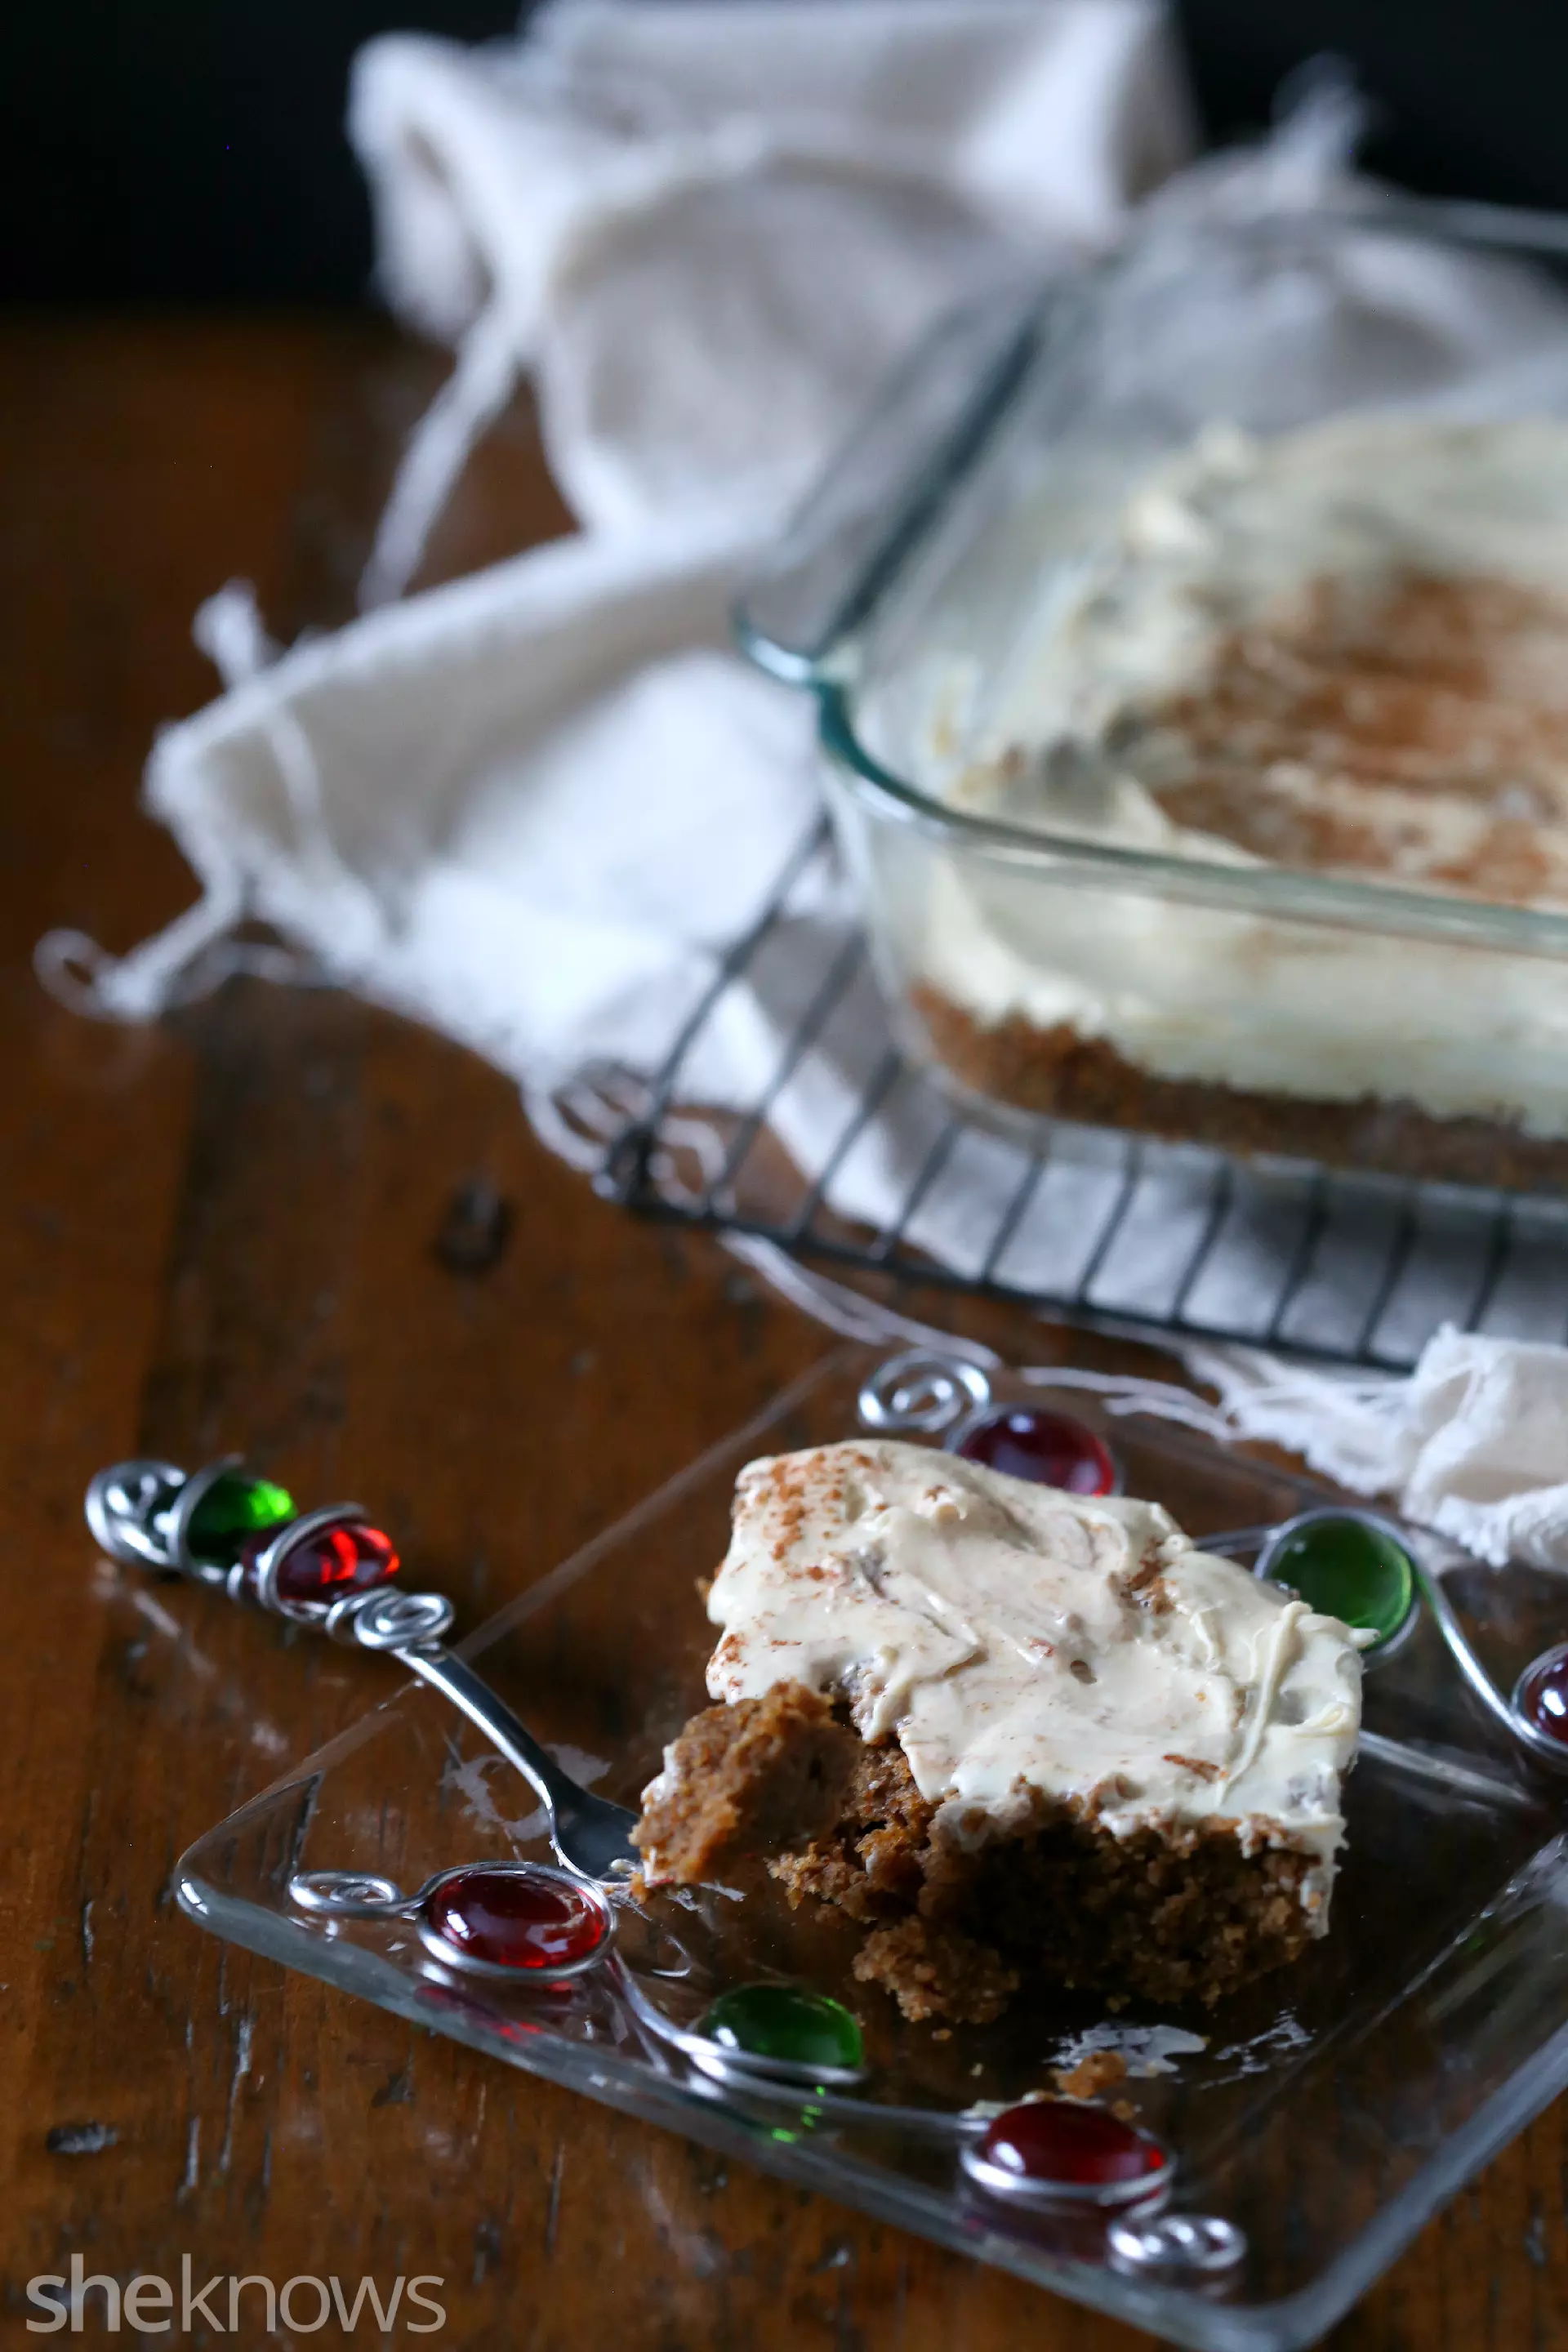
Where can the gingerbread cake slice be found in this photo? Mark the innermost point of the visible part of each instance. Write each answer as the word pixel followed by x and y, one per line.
pixel 1069 1744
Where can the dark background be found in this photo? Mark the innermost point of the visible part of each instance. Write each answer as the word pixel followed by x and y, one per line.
pixel 190 149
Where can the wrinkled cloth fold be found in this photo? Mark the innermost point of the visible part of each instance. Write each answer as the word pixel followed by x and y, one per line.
pixel 1474 1443
pixel 532 807
pixel 706 230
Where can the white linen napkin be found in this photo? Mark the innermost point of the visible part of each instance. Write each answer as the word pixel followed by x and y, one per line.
pixel 1474 1443
pixel 532 807
pixel 706 230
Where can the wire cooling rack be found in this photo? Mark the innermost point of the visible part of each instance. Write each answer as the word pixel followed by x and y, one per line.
pixel 1108 1231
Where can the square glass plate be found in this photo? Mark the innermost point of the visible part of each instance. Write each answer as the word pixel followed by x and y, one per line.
pixel 1324 2113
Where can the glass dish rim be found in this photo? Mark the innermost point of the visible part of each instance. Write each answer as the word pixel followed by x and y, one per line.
pixel 1289 2323
pixel 832 669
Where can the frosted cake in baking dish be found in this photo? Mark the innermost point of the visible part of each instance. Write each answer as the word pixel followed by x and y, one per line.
pixel 1343 652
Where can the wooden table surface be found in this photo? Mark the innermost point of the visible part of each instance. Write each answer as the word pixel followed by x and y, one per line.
pixel 220 1231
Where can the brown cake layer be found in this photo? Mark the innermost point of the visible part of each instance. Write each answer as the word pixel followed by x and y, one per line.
pixel 951 1931
pixel 1057 1072
pixel 749 1779
pixel 1172 1916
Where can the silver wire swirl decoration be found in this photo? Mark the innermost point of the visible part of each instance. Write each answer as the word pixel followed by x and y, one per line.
pixel 1177 2241
pixel 390 1620
pixel 347 1895
pixel 129 1508
pixel 923 1390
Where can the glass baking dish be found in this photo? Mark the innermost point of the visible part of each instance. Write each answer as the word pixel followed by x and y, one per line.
pixel 1041 955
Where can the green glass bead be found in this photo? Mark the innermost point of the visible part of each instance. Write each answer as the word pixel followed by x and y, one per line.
pixel 234 1507
pixel 1345 1567
pixel 773 2021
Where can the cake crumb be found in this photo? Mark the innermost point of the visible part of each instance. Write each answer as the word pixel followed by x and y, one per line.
pixel 1092 2074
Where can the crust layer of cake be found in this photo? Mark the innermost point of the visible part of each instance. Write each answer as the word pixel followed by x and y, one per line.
pixel 1185 1914
pixel 751 1779
pixel 1055 1071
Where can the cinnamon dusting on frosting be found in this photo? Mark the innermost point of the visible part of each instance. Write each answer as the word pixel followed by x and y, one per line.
pixel 1326 738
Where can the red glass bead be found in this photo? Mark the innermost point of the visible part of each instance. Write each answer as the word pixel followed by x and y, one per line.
pixel 1047 1447
pixel 1542 1696
pixel 516 1918
pixel 1056 2143
pixel 351 1557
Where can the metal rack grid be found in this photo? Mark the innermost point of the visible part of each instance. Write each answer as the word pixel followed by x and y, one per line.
pixel 1112 1231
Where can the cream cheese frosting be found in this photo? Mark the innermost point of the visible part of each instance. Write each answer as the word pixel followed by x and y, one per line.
pixel 1017 1640
pixel 1225 546
pixel 1233 531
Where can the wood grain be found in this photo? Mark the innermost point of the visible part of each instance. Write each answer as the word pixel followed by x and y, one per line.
pixel 223 1232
